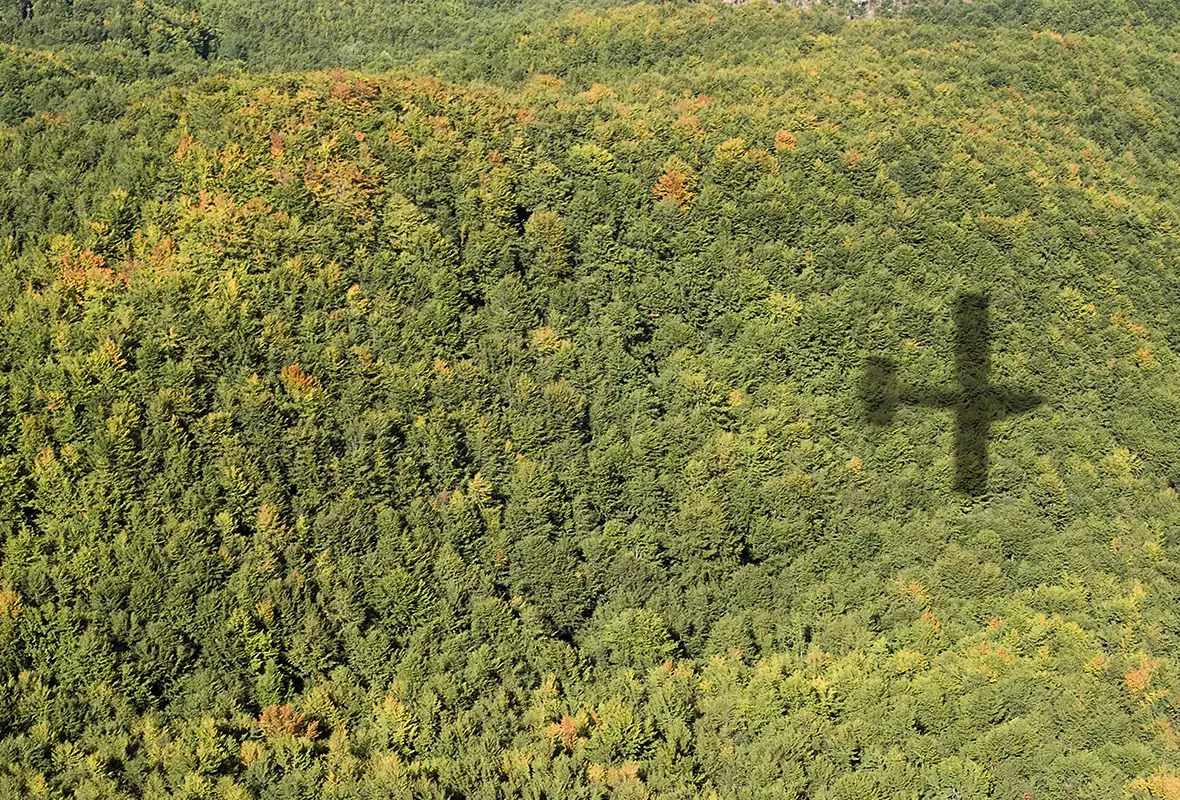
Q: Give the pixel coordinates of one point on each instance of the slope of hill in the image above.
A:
(495, 428)
(156, 38)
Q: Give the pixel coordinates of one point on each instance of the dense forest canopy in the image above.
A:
(465, 401)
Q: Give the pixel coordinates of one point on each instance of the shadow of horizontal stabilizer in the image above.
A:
(880, 390)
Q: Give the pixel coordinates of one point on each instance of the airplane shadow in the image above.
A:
(976, 403)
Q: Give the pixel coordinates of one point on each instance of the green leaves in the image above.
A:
(636, 638)
(375, 435)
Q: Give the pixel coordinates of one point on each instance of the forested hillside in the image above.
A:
(160, 37)
(490, 422)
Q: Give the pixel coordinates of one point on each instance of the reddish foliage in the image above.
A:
(673, 186)
(276, 721)
(301, 384)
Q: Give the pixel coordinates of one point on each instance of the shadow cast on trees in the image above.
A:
(976, 402)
